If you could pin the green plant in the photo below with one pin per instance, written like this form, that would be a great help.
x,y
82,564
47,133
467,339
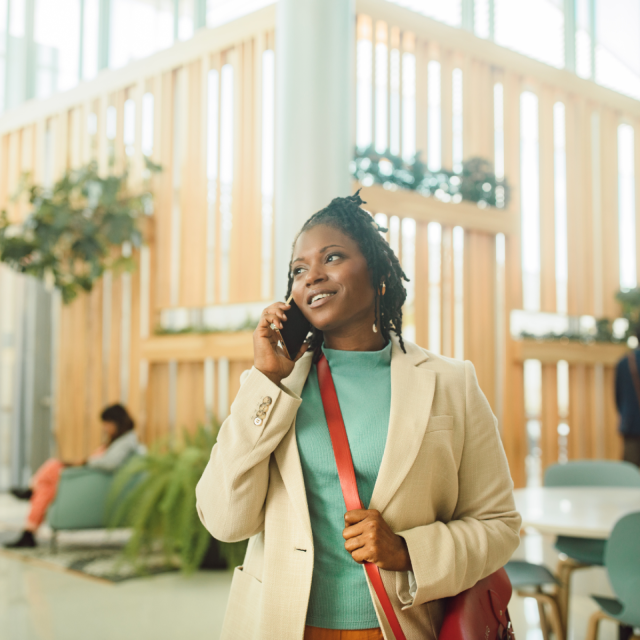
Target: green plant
x,y
476,183
630,302
69,237
155,496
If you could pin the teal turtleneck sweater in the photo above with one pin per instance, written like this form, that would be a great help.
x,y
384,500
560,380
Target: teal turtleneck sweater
x,y
339,594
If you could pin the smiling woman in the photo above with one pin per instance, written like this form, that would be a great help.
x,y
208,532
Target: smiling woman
x,y
427,457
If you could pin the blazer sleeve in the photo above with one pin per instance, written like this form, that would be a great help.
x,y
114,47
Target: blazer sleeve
x,y
449,557
231,493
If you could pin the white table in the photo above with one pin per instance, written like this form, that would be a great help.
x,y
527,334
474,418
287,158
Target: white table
x,y
583,512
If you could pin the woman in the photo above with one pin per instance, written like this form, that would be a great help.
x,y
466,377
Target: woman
x,y
120,443
428,458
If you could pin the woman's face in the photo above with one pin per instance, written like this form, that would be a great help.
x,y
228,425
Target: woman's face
x,y
110,429
331,280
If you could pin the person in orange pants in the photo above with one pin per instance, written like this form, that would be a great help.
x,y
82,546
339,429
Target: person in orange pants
x,y
120,444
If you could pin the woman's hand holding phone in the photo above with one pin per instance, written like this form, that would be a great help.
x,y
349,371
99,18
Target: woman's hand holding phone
x,y
269,358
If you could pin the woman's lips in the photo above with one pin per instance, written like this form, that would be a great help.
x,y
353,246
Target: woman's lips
x,y
319,303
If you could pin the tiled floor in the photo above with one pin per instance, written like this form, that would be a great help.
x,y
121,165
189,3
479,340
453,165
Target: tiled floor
x,y
40,604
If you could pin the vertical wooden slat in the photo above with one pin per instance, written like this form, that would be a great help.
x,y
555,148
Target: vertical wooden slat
x,y
610,247
446,97
547,203
190,410
549,434
422,284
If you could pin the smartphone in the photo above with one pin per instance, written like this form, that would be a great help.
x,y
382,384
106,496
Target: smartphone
x,y
294,330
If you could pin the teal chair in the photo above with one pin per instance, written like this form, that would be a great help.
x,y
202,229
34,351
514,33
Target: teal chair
x,y
80,502
583,552
622,561
524,577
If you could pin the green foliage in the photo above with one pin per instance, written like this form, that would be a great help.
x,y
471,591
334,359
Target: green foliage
x,y
630,302
476,183
68,238
155,496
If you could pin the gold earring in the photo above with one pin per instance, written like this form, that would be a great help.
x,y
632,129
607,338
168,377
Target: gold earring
x,y
384,288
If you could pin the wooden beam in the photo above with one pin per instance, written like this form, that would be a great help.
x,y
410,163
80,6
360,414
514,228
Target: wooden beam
x,y
410,204
197,347
552,351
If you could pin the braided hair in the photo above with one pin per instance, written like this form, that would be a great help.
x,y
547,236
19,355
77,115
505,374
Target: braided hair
x,y
346,215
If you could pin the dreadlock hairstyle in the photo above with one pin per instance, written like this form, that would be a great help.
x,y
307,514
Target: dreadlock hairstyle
x,y
346,215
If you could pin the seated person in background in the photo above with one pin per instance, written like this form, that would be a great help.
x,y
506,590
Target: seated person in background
x,y
120,443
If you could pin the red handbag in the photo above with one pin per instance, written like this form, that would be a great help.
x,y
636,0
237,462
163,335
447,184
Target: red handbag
x,y
479,613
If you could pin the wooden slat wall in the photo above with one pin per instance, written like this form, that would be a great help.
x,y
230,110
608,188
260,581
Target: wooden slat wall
x,y
93,329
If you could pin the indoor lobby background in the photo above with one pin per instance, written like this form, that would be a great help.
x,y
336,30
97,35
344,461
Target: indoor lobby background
x,y
237,119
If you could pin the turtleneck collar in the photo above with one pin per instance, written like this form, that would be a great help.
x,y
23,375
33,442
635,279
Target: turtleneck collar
x,y
358,360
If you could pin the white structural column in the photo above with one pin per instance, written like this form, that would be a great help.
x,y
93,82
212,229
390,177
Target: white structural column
x,y
314,76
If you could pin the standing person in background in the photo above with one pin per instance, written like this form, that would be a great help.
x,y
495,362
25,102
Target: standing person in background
x,y
120,443
628,403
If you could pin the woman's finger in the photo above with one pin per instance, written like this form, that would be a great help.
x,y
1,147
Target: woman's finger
x,y
354,543
303,349
353,531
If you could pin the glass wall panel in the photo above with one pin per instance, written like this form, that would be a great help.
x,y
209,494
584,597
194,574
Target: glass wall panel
x,y
90,37
530,200
434,143
626,207
583,38
560,198
382,88
128,40
408,106
3,50
449,11
532,27
186,19
364,105
618,45
222,11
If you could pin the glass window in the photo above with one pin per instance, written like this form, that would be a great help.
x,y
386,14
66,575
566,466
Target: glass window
x,y
626,207
482,18
449,11
90,37
57,42
186,19
583,38
364,106
434,143
532,27
408,106
128,41
530,200
457,120
382,76
3,50
268,160
560,197
222,11
618,45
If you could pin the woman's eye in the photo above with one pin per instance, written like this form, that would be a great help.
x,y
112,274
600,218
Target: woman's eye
x,y
332,256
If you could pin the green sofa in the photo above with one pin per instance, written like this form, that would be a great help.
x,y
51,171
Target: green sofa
x,y
81,501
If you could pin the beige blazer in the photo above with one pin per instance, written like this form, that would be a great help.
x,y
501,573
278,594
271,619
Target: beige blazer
x,y
443,485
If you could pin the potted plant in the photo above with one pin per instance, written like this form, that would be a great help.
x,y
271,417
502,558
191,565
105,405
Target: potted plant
x,y
155,496
76,229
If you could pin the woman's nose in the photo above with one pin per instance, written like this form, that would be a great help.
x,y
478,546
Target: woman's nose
x,y
314,275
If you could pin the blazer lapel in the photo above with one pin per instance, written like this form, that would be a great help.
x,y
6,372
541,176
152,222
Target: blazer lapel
x,y
412,389
286,453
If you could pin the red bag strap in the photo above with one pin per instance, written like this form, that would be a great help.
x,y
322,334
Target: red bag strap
x,y
347,475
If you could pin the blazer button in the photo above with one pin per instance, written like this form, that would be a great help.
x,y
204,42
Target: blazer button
x,y
257,422
267,400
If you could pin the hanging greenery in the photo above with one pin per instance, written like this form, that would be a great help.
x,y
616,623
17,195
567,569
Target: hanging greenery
x,y
630,302
68,239
476,183
161,506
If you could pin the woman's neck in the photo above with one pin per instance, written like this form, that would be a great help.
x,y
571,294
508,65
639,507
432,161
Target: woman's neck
x,y
357,339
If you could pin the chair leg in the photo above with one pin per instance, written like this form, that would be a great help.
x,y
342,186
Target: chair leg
x,y
544,624
563,573
553,619
594,624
